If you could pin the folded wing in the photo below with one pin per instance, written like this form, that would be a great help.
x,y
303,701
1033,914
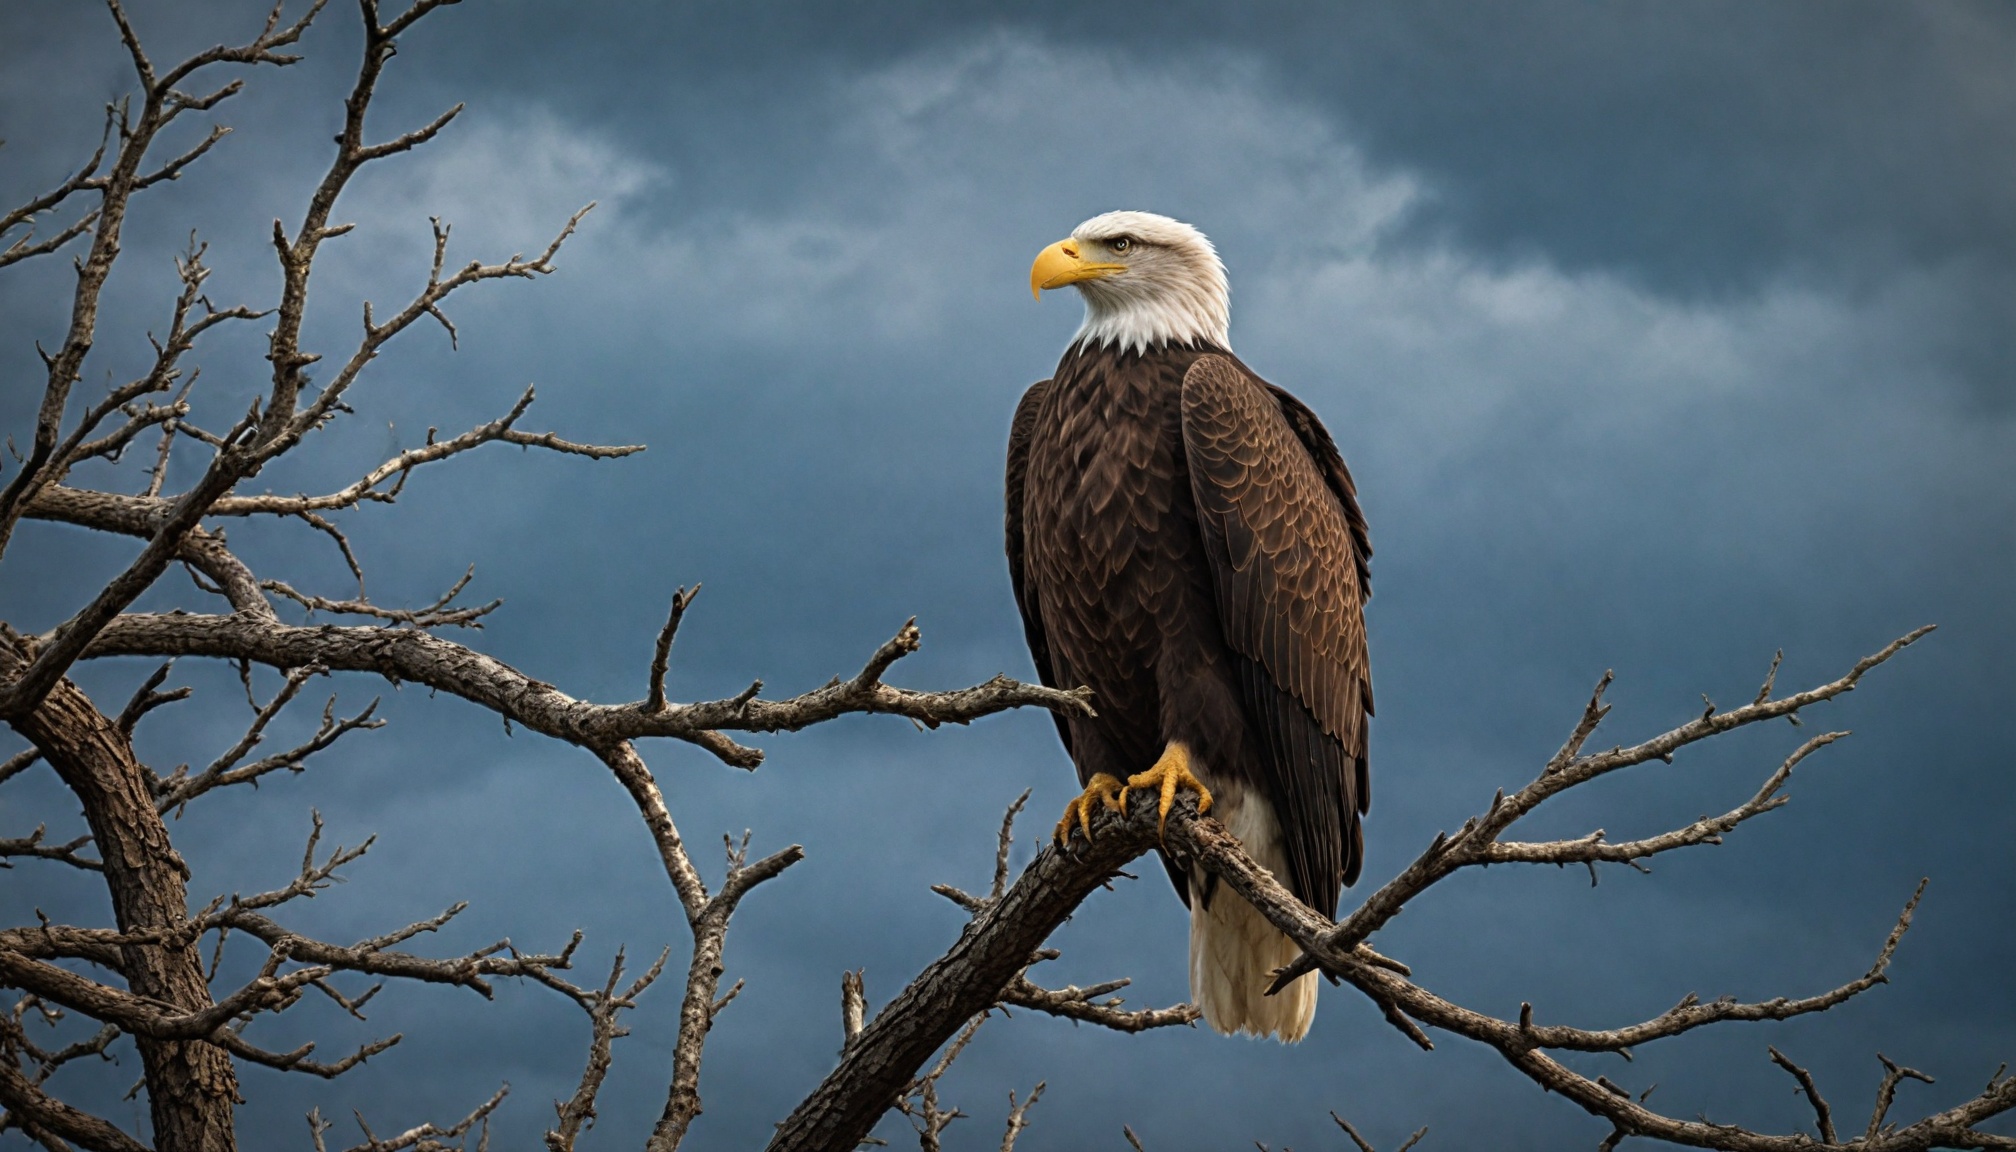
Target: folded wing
x,y
1289,555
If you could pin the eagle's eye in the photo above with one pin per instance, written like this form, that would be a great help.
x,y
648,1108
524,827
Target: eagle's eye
x,y
1120,244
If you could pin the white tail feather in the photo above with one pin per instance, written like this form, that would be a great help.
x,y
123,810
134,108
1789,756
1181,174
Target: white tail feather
x,y
1234,950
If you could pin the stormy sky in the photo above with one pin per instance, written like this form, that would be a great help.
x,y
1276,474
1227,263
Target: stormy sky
x,y
1658,338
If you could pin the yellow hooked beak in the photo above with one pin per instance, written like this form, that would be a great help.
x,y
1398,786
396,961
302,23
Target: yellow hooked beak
x,y
1061,263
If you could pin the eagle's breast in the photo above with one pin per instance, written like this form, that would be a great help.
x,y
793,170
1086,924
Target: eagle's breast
x,y
1112,536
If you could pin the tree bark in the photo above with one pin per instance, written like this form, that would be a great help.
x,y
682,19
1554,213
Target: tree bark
x,y
968,979
192,1088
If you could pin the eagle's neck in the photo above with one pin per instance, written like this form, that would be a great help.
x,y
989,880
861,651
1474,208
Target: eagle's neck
x,y
1137,317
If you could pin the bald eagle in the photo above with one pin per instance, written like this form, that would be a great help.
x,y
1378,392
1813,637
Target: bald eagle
x,y
1184,539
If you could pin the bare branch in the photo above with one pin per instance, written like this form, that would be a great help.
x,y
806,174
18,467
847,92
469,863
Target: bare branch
x,y
435,615
135,1014
906,641
926,1117
1018,1116
1007,839
368,488
79,181
297,1060
281,427
965,982
699,1008
1365,1145
49,1063
1203,843
661,658
1823,1115
272,990
853,1005
1592,715
284,427
51,660
146,698
425,1138
295,679
1081,1004
297,257
1887,1092
46,941
972,903
174,793
140,516
1591,848
32,847
160,104
420,657
172,170
1006,930
18,763
22,249
1690,1013
374,957
630,771
1472,844
45,1117
578,1111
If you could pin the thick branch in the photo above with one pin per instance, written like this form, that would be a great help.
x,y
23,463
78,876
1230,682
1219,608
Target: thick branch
x,y
139,1015
143,517
39,1113
192,1087
100,946
1204,843
992,949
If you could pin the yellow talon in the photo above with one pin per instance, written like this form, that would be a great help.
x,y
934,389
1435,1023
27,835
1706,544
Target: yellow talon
x,y
1168,774
1103,790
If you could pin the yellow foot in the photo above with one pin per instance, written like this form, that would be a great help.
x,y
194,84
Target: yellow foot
x,y
1103,791
1168,774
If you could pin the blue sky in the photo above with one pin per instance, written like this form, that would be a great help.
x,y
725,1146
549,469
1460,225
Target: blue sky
x,y
1658,338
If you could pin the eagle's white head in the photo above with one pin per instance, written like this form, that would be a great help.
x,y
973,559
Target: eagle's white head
x,y
1147,280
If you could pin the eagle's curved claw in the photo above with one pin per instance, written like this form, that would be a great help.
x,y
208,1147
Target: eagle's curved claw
x,y
1168,774
1101,791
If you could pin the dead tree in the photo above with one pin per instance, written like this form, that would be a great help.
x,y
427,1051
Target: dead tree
x,y
145,977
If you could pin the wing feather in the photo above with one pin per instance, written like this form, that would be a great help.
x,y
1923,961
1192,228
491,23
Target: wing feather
x,y
1289,554
1018,472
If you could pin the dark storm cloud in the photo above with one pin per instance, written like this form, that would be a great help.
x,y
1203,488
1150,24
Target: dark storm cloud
x,y
1698,144
1699,149
1642,327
